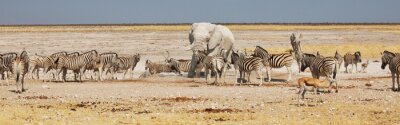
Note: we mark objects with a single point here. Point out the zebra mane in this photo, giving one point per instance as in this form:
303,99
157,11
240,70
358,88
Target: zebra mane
390,53
259,47
111,53
59,53
41,56
10,53
90,52
77,53
309,55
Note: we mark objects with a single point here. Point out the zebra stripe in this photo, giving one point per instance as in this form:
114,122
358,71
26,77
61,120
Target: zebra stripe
107,61
352,59
75,63
181,65
20,67
246,65
327,66
393,60
154,68
275,60
339,58
128,63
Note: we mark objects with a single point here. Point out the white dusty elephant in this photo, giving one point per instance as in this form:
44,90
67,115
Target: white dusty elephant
210,37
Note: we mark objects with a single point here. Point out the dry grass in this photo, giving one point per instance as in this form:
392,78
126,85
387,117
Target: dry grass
131,28
367,50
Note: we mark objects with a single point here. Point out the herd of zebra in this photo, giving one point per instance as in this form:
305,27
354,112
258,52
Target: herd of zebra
61,62
260,61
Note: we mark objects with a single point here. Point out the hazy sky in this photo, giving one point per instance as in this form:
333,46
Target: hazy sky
188,11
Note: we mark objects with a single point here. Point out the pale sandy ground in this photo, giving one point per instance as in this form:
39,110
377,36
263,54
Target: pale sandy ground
173,99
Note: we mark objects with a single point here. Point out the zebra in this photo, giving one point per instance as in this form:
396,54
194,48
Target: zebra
107,61
393,60
75,63
216,65
275,60
20,67
321,66
181,65
127,63
295,40
154,68
339,58
73,54
2,68
247,65
36,64
49,63
352,59
7,60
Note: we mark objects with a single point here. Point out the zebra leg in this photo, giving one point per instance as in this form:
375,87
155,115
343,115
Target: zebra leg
261,75
207,75
125,73
356,68
6,78
236,77
393,75
269,74
216,77
17,82
22,83
64,75
248,76
290,73
398,84
223,72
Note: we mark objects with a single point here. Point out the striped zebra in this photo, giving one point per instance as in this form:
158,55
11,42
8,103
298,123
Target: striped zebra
275,60
75,63
247,65
327,66
128,63
7,60
181,65
155,68
73,54
339,58
393,60
36,64
216,65
107,61
352,59
295,41
20,67
2,68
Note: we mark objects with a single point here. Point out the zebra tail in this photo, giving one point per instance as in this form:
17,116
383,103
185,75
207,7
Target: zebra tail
336,70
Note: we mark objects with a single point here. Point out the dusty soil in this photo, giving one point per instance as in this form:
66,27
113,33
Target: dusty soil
363,98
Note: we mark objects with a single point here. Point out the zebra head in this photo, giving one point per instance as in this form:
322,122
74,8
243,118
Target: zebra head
137,57
386,58
358,56
295,40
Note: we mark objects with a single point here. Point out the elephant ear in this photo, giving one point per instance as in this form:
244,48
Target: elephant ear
215,40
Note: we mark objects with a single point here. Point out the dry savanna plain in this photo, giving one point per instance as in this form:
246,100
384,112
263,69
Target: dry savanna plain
364,97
